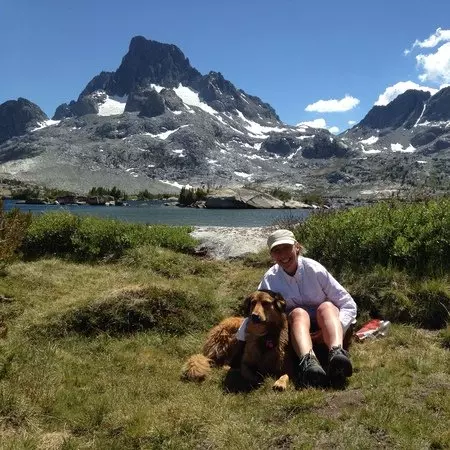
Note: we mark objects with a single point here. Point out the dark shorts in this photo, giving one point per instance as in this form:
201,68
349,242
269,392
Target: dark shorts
312,312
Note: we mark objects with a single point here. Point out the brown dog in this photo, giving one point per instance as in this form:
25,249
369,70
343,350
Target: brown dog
266,350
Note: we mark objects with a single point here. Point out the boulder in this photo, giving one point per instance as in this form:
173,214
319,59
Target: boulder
280,145
148,102
242,198
153,105
293,204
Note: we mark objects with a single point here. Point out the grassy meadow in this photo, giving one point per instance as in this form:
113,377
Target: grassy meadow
97,318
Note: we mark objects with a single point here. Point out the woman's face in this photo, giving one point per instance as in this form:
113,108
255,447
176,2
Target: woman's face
286,256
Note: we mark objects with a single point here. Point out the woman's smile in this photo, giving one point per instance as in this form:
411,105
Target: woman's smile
286,256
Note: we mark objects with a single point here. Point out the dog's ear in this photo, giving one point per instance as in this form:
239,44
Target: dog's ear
279,302
246,305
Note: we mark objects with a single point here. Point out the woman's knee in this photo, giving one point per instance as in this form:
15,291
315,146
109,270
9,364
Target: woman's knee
327,309
298,315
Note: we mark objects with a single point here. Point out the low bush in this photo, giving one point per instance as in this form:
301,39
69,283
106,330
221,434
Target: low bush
50,234
410,236
138,308
13,228
175,238
396,296
90,238
444,336
96,238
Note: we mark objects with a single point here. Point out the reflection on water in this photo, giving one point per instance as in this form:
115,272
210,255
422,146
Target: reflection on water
155,212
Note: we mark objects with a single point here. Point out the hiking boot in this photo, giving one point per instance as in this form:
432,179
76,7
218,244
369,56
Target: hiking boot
339,364
311,372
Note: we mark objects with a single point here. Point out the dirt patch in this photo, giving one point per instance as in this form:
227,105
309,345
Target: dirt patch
53,441
341,401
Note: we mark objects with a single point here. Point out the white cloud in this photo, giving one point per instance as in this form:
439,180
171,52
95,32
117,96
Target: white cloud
402,86
351,122
333,105
435,66
433,40
317,123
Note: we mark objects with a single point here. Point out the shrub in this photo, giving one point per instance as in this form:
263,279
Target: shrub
139,308
411,236
281,194
50,234
96,238
91,238
13,227
175,238
396,296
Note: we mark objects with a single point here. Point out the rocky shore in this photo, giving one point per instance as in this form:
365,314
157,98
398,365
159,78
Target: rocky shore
230,242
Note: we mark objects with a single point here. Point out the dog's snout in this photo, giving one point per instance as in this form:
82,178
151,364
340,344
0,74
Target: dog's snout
255,318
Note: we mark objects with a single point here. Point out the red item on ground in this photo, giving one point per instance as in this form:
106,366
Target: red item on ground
370,328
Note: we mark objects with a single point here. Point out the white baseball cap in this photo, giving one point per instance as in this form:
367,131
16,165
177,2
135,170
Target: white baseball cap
280,237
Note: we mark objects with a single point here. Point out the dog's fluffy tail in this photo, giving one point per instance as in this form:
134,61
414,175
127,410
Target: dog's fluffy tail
196,368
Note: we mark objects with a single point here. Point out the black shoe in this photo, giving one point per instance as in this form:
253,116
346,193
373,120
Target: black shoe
339,364
311,372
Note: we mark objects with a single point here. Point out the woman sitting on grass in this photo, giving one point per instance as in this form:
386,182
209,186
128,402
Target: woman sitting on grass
318,307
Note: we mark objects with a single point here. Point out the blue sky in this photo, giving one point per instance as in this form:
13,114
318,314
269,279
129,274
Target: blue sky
298,56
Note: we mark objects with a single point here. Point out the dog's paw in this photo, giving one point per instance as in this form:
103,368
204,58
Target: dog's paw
281,384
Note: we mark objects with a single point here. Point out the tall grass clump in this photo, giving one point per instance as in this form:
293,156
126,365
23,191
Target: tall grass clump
407,236
90,238
137,308
13,228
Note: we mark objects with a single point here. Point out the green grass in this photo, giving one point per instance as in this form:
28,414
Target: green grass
97,336
113,387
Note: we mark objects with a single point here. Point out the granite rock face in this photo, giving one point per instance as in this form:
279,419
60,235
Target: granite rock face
19,116
403,111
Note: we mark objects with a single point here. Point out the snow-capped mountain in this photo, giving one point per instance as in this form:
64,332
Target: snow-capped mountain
156,122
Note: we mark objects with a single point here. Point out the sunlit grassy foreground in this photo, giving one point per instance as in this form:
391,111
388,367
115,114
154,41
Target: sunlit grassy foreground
66,387
93,351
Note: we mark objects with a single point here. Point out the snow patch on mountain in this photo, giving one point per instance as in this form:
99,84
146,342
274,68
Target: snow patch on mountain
45,124
399,148
112,106
369,141
165,134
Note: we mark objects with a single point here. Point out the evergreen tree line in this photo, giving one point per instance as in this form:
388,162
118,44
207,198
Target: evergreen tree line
188,196
113,192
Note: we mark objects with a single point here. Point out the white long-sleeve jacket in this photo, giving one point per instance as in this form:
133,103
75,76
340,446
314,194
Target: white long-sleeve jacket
310,286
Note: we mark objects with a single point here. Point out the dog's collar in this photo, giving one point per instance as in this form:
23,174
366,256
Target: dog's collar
268,341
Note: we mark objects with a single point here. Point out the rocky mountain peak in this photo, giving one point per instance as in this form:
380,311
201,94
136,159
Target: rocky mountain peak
147,62
19,116
437,108
403,111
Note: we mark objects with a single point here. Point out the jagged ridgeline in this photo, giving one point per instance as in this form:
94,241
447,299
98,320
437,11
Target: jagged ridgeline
157,123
